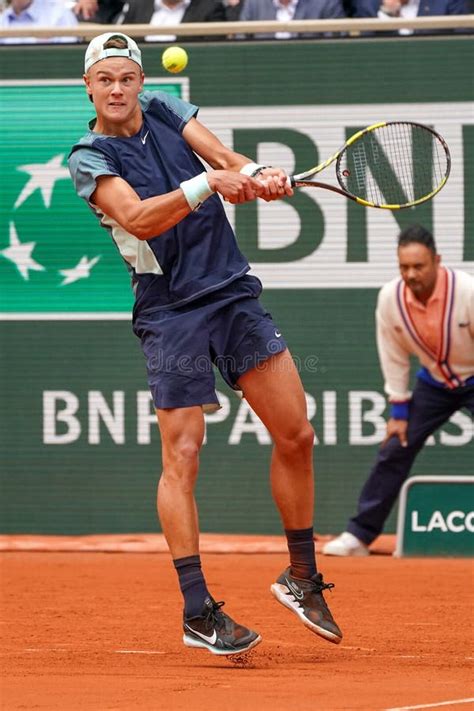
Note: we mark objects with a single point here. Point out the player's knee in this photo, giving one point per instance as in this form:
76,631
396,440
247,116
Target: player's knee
305,437
296,440
181,462
180,474
185,452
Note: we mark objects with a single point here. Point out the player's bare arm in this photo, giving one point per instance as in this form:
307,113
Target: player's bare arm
151,217
209,147
142,218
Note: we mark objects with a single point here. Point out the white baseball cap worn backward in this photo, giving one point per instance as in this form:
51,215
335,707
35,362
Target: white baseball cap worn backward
95,51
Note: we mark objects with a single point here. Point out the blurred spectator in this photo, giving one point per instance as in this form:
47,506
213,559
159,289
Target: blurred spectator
233,9
104,12
86,9
287,10
36,13
163,13
349,8
385,9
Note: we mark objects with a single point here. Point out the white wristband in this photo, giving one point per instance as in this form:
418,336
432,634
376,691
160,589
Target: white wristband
252,169
196,190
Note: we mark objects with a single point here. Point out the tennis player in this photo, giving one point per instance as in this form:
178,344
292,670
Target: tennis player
139,169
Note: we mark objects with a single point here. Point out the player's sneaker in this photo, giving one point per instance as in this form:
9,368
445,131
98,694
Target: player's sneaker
217,632
346,545
305,599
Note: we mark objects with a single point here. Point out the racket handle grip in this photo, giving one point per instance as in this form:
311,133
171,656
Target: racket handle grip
291,182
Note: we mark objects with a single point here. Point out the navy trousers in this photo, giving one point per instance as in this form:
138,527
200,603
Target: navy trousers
430,407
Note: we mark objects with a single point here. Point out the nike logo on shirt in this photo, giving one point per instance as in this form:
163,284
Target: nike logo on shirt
145,137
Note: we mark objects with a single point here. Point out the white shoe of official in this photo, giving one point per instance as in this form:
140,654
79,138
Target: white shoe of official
346,545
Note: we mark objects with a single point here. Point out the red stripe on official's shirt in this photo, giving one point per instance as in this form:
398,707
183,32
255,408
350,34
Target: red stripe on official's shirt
426,347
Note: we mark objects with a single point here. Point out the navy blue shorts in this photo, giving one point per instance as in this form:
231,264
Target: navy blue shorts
227,328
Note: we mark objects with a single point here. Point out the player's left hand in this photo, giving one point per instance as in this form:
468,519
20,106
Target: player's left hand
276,184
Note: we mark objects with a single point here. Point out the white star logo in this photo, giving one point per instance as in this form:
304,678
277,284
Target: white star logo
43,176
20,254
80,271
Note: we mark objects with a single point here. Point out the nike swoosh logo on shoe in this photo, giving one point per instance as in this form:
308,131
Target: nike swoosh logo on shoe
211,640
299,594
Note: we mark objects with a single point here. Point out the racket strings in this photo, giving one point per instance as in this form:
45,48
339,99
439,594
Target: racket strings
398,163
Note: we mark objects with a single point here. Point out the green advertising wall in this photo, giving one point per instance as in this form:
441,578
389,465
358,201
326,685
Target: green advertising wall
79,448
436,517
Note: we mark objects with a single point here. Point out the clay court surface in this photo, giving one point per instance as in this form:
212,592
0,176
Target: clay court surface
102,631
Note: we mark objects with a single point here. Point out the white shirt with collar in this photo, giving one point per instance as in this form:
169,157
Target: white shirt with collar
285,13
409,10
397,339
40,13
165,16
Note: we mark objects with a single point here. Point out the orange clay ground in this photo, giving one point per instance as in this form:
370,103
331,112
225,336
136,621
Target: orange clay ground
102,631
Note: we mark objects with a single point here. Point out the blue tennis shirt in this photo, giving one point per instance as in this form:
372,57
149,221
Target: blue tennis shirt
198,255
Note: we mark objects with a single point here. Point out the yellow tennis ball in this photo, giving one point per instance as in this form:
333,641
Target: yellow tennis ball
174,59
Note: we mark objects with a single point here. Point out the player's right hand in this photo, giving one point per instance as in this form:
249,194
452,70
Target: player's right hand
276,182
235,187
396,428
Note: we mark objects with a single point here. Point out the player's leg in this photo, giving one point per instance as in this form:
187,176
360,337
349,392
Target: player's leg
170,340
430,408
275,392
182,384
182,434
251,354
205,625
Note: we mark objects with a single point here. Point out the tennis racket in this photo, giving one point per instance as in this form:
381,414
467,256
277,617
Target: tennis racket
391,165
